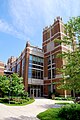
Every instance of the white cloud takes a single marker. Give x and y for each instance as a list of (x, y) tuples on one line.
[(29, 13), (7, 28), (29, 17)]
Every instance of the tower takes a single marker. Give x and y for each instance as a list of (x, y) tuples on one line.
[(51, 61)]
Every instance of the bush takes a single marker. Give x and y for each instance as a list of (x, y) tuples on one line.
[(12, 102), (4, 100), (63, 98), (24, 95), (60, 98), (70, 112)]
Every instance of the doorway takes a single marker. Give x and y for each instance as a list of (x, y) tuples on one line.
[(36, 92)]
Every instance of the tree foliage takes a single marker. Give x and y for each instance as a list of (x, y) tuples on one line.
[(17, 87), (4, 84), (12, 84)]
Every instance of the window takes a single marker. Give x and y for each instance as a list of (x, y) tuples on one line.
[(33, 73), (53, 73), (49, 66), (30, 73), (49, 74), (35, 67), (18, 68), (23, 63), (49, 60), (14, 69), (38, 75)]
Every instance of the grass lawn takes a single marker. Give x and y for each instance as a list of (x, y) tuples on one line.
[(64, 103), (50, 114), (68, 112)]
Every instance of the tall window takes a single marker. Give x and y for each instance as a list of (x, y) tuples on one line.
[(35, 67), (23, 63), (51, 66), (18, 68)]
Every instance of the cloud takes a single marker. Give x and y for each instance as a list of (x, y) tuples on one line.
[(29, 17), (8, 28), (29, 13)]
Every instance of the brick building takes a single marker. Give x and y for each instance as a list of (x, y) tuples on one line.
[(38, 67), (29, 65), (1, 68), (51, 61)]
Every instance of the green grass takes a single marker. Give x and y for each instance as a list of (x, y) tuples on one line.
[(68, 112), (64, 103), (50, 114)]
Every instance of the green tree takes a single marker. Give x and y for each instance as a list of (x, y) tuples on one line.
[(16, 85), (71, 73), (12, 85), (4, 85)]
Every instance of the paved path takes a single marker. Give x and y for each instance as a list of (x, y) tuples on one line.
[(27, 112)]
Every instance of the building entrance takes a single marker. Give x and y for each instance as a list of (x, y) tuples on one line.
[(36, 92)]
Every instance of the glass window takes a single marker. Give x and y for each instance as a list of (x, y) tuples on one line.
[(30, 73), (38, 74), (49, 74), (49, 61), (41, 74), (30, 57), (18, 68), (23, 63), (37, 63), (49, 66), (53, 65), (36, 60), (53, 73), (30, 65), (33, 73)]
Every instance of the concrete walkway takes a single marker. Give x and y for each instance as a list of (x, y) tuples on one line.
[(28, 112)]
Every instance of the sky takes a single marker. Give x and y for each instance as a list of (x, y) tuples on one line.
[(24, 20)]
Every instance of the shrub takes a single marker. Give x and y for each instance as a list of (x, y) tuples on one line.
[(70, 112), (63, 98), (4, 100), (12, 102)]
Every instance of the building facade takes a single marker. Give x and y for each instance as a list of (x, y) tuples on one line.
[(29, 65), (38, 67), (51, 61), (1, 68)]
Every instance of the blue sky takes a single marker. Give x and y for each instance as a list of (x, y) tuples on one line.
[(24, 20)]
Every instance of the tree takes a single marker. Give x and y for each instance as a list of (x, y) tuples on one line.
[(12, 85), (4, 85), (16, 85), (71, 70), (71, 73)]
